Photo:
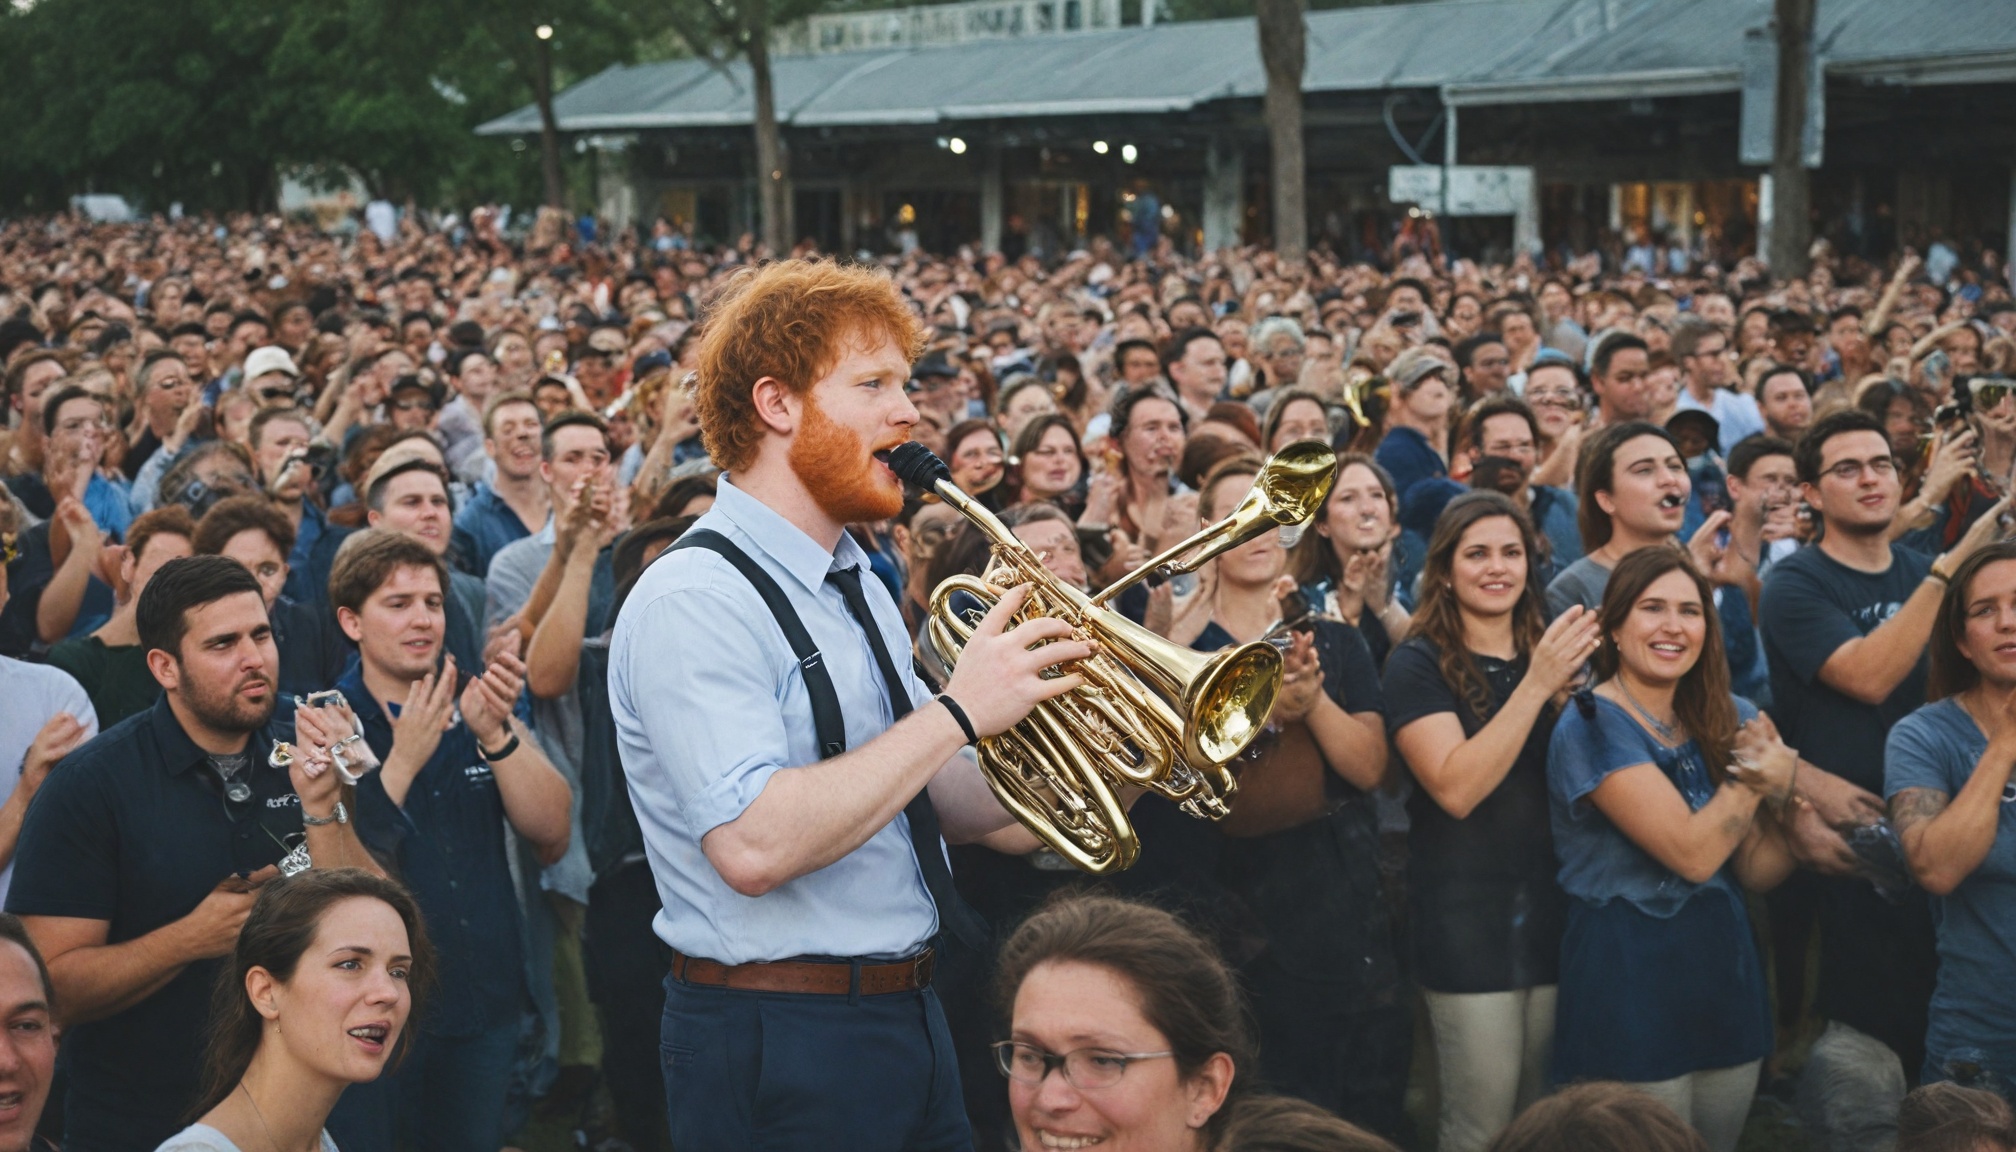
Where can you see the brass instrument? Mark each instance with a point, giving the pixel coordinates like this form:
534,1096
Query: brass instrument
1152,713
1357,389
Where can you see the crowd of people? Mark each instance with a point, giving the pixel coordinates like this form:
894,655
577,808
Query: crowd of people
1645,738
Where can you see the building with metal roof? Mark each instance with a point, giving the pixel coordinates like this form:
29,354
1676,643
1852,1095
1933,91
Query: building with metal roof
1628,113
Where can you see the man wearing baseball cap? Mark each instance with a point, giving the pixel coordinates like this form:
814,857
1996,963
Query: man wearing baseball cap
271,377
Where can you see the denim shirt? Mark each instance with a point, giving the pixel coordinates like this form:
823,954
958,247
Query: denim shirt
446,844
1599,863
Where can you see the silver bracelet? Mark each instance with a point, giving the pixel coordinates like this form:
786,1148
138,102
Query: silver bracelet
340,816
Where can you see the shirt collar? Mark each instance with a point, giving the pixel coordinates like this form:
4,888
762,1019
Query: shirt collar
179,753
785,542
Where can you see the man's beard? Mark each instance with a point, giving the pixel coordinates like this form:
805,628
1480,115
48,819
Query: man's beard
228,711
837,469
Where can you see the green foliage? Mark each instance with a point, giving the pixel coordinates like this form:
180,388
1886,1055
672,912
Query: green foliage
206,101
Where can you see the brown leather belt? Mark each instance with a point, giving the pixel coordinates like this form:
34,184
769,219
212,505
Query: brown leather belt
807,976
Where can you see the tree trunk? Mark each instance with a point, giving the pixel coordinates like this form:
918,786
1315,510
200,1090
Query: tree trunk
1283,54
773,179
549,126
1791,202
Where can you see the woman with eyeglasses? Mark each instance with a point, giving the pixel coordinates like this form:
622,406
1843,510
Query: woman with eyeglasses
1554,392
973,452
1126,1030
1946,774
1666,791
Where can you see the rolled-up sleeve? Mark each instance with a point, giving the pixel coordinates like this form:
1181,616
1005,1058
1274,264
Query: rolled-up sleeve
699,706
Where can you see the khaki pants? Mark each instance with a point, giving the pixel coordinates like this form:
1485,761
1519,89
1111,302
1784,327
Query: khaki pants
1715,1102
1492,1050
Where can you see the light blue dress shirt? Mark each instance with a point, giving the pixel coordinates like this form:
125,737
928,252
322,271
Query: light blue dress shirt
709,703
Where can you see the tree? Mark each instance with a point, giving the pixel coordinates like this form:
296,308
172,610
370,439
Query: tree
721,30
1283,35
1791,204
208,102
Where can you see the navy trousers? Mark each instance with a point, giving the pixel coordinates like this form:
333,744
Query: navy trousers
784,1071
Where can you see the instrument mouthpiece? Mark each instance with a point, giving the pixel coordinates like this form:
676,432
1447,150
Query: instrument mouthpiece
917,465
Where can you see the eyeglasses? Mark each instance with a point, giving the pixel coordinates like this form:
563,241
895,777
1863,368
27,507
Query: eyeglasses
1084,1068
1850,471
1568,400
413,406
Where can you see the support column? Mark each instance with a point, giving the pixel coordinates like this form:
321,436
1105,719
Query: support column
615,186
2009,277
1764,214
990,199
1526,217
848,212
1224,190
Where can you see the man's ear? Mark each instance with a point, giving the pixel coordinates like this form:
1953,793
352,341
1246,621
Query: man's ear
162,664
349,622
776,405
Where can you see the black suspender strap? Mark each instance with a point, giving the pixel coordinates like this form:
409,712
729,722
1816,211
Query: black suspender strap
827,722
954,914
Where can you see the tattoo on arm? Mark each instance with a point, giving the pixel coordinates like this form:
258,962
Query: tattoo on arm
1914,806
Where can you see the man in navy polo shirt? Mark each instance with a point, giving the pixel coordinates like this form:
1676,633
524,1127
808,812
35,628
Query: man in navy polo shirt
140,857
436,810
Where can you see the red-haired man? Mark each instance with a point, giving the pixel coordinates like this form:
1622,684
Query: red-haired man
787,861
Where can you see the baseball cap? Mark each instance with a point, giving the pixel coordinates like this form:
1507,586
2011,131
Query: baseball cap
415,384
396,458
933,367
1411,367
271,358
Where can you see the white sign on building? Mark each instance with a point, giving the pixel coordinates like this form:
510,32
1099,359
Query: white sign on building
1472,190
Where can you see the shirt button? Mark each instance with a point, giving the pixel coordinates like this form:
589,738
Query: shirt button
453,885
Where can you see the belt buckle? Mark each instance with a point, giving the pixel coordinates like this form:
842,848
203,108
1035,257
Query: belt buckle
922,970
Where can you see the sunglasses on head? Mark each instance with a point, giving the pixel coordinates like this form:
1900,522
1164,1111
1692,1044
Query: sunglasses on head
1990,391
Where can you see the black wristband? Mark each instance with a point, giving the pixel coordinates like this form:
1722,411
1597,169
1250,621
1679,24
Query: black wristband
510,746
959,714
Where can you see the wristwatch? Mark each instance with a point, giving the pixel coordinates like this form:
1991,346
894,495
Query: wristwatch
341,816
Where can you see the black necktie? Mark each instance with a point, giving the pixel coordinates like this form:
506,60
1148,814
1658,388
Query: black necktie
954,914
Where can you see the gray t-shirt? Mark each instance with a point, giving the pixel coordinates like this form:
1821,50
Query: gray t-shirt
1581,583
30,696
203,1138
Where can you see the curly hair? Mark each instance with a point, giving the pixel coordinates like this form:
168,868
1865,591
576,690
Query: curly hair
791,320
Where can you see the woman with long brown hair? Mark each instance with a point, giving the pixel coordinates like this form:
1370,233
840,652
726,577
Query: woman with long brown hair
1658,780
329,968
1946,772
1473,694
1301,850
